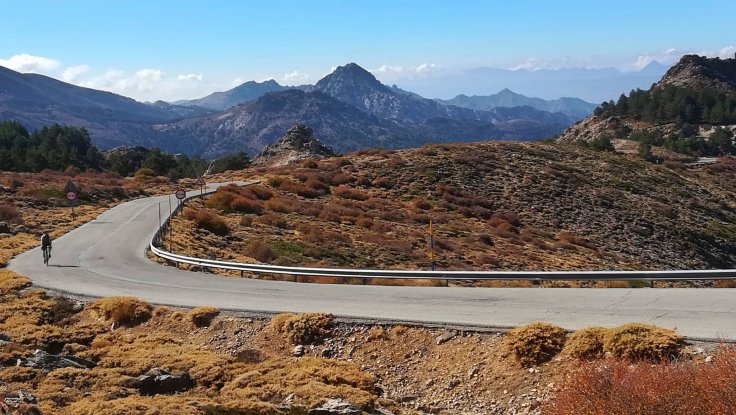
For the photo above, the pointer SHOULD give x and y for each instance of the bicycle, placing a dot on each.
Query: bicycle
(46, 255)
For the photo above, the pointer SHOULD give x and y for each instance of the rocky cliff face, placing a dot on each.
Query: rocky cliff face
(298, 144)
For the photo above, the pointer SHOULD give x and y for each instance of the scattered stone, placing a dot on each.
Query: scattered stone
(336, 407)
(20, 397)
(533, 370)
(327, 353)
(48, 362)
(298, 351)
(407, 398)
(452, 383)
(445, 337)
(472, 371)
(159, 382)
(708, 359)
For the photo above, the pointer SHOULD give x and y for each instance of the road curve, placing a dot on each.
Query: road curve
(106, 257)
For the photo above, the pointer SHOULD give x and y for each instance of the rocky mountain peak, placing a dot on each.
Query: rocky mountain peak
(702, 72)
(297, 144)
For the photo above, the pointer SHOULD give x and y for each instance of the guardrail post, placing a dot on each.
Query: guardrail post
(241, 274)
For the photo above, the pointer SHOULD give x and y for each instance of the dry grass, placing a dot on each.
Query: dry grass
(586, 343)
(203, 316)
(11, 282)
(128, 311)
(304, 328)
(535, 343)
(643, 341)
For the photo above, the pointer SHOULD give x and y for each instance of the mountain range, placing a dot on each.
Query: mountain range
(590, 84)
(574, 107)
(349, 109)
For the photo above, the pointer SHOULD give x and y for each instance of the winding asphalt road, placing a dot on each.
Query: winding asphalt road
(107, 257)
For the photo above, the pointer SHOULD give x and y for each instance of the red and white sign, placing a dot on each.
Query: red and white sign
(71, 195)
(180, 194)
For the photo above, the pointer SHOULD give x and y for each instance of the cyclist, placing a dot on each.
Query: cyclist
(46, 247)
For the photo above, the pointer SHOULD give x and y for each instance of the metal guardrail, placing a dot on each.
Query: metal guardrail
(437, 275)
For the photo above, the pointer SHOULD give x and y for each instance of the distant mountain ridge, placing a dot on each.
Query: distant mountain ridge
(573, 107)
(242, 93)
(37, 101)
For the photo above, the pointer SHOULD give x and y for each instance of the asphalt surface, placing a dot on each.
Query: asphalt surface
(107, 257)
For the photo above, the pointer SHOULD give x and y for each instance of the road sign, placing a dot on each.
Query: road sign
(200, 181)
(180, 194)
(71, 195)
(70, 187)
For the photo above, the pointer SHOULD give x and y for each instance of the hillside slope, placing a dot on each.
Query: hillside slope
(505, 206)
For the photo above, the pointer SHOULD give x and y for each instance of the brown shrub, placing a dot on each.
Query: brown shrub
(208, 221)
(275, 220)
(318, 186)
(341, 178)
(260, 251)
(259, 192)
(422, 204)
(276, 181)
(279, 205)
(617, 387)
(575, 240)
(506, 217)
(535, 343)
(643, 341)
(203, 316)
(486, 239)
(245, 205)
(349, 193)
(586, 343)
(310, 164)
(128, 311)
(382, 182)
(299, 189)
(221, 200)
(10, 214)
(304, 328)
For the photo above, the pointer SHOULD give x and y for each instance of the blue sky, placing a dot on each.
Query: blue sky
(185, 49)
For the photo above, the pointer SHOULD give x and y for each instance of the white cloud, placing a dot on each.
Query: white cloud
(190, 77)
(295, 78)
(73, 73)
(672, 55)
(425, 67)
(29, 63)
(150, 74)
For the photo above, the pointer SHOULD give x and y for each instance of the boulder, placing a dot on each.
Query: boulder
(159, 382)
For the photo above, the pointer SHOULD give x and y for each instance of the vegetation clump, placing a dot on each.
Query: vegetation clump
(586, 343)
(203, 316)
(303, 328)
(207, 221)
(637, 341)
(535, 343)
(614, 386)
(128, 311)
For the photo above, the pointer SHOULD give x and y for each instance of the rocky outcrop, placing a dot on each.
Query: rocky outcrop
(48, 362)
(298, 144)
(701, 72)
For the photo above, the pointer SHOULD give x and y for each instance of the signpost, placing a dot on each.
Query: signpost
(71, 192)
(180, 195)
(201, 183)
